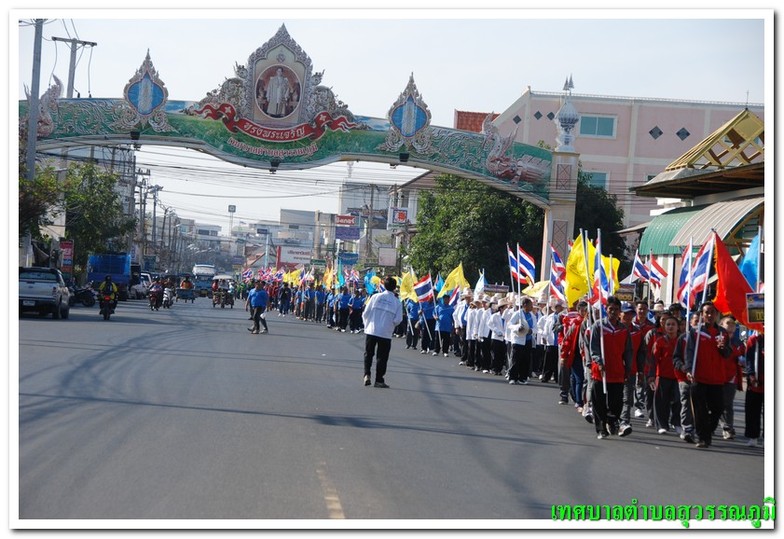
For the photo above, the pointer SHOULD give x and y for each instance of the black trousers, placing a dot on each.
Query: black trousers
(550, 363)
(754, 404)
(379, 347)
(607, 408)
(707, 402)
(521, 362)
(499, 356)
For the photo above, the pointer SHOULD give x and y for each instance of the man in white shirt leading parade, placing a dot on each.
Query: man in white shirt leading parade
(381, 314)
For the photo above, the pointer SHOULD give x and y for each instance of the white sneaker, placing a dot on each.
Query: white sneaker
(638, 413)
(649, 424)
(446, 355)
(662, 431)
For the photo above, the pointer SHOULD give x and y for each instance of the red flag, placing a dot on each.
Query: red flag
(731, 287)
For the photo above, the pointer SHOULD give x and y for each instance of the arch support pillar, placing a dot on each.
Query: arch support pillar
(559, 217)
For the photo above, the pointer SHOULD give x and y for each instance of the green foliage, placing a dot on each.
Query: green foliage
(94, 217)
(467, 221)
(39, 200)
(597, 209)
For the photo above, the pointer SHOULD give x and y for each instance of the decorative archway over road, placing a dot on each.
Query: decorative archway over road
(274, 113)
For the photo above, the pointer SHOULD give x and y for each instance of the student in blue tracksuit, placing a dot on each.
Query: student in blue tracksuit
(444, 326)
(412, 332)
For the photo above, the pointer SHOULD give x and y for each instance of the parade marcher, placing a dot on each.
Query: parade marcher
(707, 348)
(527, 312)
(570, 363)
(427, 326)
(645, 332)
(400, 329)
(412, 331)
(320, 299)
(497, 326)
(661, 376)
(484, 346)
(733, 377)
(444, 325)
(355, 312)
(460, 318)
(284, 300)
(755, 388)
(539, 314)
(635, 318)
(257, 301)
(684, 385)
(611, 357)
(330, 306)
(343, 301)
(549, 327)
(380, 316)
(520, 332)
(472, 332)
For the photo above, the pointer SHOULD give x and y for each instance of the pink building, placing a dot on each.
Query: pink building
(622, 141)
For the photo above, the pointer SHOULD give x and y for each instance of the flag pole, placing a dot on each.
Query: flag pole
(756, 289)
(511, 278)
(601, 320)
(704, 298)
(650, 281)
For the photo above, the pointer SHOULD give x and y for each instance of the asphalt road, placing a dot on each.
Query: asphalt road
(183, 414)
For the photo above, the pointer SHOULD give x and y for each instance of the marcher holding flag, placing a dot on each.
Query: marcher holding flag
(611, 357)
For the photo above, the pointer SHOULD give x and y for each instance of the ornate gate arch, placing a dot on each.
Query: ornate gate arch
(274, 113)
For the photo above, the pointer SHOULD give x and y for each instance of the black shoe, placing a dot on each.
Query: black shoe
(380, 384)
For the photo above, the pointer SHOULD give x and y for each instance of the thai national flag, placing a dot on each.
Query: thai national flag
(513, 264)
(685, 297)
(639, 269)
(556, 286)
(601, 285)
(526, 264)
(658, 273)
(700, 271)
(247, 274)
(424, 289)
(556, 264)
(454, 296)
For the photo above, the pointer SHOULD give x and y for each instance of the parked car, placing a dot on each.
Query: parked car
(142, 290)
(43, 290)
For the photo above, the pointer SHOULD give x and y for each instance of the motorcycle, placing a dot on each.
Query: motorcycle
(107, 306)
(84, 295)
(168, 297)
(156, 298)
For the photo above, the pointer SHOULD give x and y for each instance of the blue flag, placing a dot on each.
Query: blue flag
(439, 283)
(369, 286)
(749, 266)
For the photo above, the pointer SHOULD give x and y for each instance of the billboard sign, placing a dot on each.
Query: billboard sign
(294, 255)
(346, 233)
(349, 259)
(387, 256)
(346, 220)
(398, 217)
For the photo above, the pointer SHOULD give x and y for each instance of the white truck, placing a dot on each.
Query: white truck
(43, 290)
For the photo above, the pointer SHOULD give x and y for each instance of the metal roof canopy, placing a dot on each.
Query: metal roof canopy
(721, 216)
(663, 228)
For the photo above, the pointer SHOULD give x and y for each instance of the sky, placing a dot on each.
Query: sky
(468, 60)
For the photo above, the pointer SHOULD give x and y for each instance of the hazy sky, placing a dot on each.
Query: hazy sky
(479, 60)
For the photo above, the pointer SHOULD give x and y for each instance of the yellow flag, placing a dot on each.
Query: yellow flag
(455, 279)
(407, 286)
(577, 271)
(612, 276)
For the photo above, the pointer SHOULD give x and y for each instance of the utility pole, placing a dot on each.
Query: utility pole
(72, 66)
(144, 174)
(369, 234)
(32, 113)
(154, 189)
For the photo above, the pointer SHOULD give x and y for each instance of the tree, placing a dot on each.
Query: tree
(39, 201)
(469, 222)
(598, 209)
(94, 216)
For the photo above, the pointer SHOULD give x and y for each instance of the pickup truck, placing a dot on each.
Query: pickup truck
(43, 290)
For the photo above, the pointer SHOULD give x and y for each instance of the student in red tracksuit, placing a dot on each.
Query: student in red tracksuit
(755, 390)
(705, 370)
(611, 357)
(666, 397)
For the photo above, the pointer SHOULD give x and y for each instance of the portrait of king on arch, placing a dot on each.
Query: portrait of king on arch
(277, 91)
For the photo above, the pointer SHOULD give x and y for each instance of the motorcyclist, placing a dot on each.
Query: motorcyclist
(186, 283)
(156, 291)
(108, 287)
